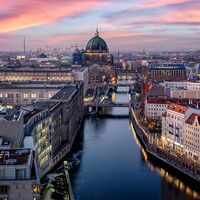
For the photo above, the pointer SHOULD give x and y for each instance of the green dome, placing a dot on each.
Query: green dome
(97, 44)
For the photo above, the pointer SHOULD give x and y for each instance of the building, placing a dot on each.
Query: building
(82, 74)
(164, 71)
(192, 136)
(155, 107)
(186, 85)
(97, 51)
(78, 57)
(36, 74)
(18, 177)
(26, 93)
(11, 126)
(54, 125)
(173, 122)
(183, 89)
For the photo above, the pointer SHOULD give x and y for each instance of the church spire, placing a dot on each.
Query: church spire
(97, 32)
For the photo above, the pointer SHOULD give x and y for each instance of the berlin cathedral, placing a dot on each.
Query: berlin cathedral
(96, 52)
(96, 56)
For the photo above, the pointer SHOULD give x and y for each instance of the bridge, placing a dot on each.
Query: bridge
(94, 104)
(121, 84)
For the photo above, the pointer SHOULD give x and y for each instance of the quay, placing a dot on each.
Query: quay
(155, 153)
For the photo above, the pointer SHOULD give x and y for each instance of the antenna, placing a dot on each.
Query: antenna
(24, 45)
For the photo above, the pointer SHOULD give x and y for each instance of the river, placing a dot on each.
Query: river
(114, 167)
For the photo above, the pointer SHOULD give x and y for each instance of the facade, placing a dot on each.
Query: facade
(173, 124)
(26, 93)
(192, 136)
(54, 125)
(11, 126)
(32, 74)
(188, 94)
(82, 74)
(18, 177)
(155, 107)
(183, 89)
(167, 72)
(97, 51)
(186, 85)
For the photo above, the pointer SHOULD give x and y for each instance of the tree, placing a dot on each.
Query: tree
(60, 187)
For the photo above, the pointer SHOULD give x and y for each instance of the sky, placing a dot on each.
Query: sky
(126, 25)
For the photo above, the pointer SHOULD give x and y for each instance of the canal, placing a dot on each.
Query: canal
(114, 167)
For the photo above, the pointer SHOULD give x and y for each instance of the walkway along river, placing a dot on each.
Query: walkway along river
(114, 166)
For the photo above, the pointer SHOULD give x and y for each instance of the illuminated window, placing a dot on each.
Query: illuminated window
(33, 95)
(25, 96)
(6, 95)
(36, 188)
(1, 95)
(50, 95)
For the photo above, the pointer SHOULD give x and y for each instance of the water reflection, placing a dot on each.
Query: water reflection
(168, 179)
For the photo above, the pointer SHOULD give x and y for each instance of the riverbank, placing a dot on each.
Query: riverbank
(155, 152)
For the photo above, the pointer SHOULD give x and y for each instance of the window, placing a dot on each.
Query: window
(25, 96)
(3, 189)
(33, 95)
(2, 173)
(36, 188)
(1, 95)
(20, 173)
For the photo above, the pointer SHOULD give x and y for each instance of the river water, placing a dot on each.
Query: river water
(114, 166)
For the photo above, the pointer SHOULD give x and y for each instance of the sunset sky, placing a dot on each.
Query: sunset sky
(124, 24)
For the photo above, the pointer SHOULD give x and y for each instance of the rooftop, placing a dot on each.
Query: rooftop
(158, 90)
(9, 114)
(31, 114)
(178, 108)
(167, 66)
(14, 156)
(66, 92)
(192, 118)
(31, 85)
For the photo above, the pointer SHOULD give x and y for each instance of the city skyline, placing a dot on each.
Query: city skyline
(131, 25)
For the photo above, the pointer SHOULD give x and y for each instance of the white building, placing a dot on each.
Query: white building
(192, 136)
(18, 178)
(173, 123)
(155, 107)
(186, 85)
(183, 89)
(82, 74)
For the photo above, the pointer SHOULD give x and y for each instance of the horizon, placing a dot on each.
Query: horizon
(127, 26)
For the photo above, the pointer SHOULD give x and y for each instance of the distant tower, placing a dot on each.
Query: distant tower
(24, 45)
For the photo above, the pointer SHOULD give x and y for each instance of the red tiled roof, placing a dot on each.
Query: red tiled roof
(177, 108)
(192, 117)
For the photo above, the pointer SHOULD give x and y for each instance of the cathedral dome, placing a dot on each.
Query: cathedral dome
(96, 45)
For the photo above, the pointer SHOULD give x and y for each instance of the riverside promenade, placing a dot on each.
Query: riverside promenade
(172, 159)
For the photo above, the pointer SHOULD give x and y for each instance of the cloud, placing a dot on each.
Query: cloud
(20, 14)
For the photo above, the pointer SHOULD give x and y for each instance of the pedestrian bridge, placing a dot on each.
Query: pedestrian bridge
(94, 104)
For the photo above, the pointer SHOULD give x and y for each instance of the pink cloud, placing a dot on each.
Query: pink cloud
(20, 14)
